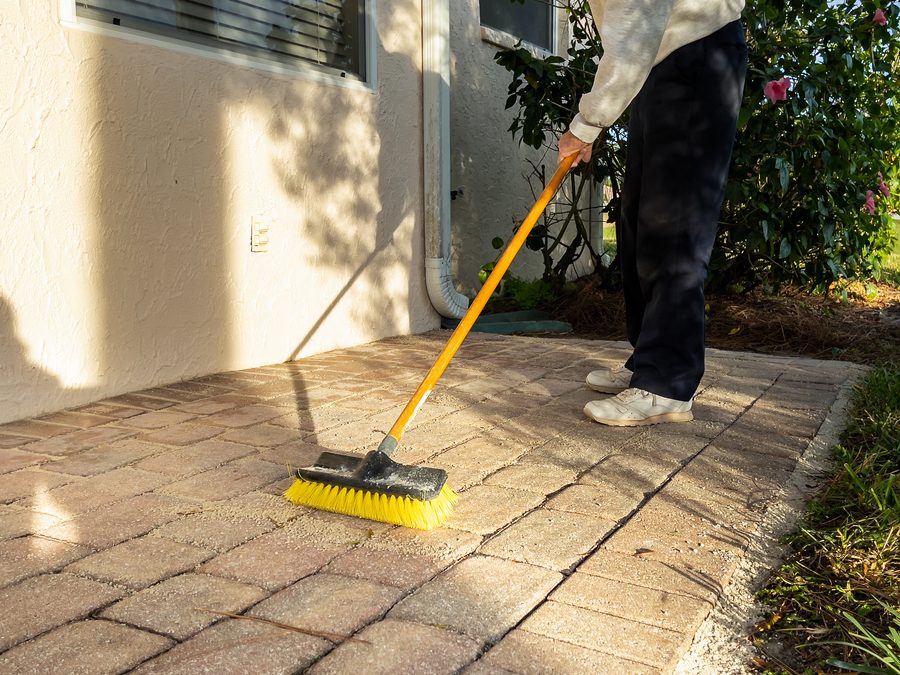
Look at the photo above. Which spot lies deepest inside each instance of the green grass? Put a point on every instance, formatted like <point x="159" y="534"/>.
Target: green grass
<point x="892" y="263"/>
<point x="609" y="239"/>
<point x="835" y="598"/>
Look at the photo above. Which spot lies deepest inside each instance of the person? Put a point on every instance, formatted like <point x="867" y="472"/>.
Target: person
<point x="680" y="65"/>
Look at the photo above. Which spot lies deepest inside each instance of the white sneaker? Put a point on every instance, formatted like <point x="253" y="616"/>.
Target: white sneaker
<point x="609" y="380"/>
<point x="636" y="407"/>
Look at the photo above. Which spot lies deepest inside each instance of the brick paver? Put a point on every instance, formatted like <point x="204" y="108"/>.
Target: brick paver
<point x="400" y="647"/>
<point x="34" y="429"/>
<point x="29" y="483"/>
<point x="573" y="536"/>
<point x="10" y="440"/>
<point x="158" y="419"/>
<point x="186" y="433"/>
<point x="130" y="527"/>
<point x="665" y="609"/>
<point x="85" y="647"/>
<point x="239" y="646"/>
<point x="632" y="640"/>
<point x="29" y="556"/>
<point x="649" y="571"/>
<point x="107" y="527"/>
<point x="487" y="508"/>
<point x="17" y="522"/>
<point x="47" y="601"/>
<point x="138" y="563"/>
<point x="90" y="493"/>
<point x="82" y="439"/>
<point x="12" y="459"/>
<point x="183" y="605"/>
<point x="195" y="458"/>
<point x="386" y="567"/>
<point x="531" y="654"/>
<point x="603" y="498"/>
<point x="261" y="435"/>
<point x="481" y="597"/>
<point x="226" y="481"/>
<point x="217" y="534"/>
<point x="531" y="472"/>
<point x="106" y="457"/>
<point x="272" y="561"/>
<point x="330" y="603"/>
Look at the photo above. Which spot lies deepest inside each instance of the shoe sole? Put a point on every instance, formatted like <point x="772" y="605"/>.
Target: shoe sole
<point x="609" y="389"/>
<point x="685" y="416"/>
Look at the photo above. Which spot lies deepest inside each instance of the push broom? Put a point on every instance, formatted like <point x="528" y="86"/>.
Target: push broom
<point x="376" y="487"/>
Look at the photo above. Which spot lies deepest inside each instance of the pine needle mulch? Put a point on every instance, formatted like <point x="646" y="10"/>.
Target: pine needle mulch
<point x="864" y="327"/>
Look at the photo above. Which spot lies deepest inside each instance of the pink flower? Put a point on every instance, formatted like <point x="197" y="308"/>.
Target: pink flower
<point x="882" y="186"/>
<point x="776" y="90"/>
<point x="879" y="17"/>
<point x="870" y="202"/>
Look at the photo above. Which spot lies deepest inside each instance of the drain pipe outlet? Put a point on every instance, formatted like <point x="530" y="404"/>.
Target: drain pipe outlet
<point x="436" y="131"/>
<point x="446" y="299"/>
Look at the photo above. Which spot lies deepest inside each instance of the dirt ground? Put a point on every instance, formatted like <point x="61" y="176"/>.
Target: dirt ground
<point x="864" y="329"/>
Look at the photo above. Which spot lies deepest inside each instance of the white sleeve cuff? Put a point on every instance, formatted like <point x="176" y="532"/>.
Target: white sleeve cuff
<point x="584" y="131"/>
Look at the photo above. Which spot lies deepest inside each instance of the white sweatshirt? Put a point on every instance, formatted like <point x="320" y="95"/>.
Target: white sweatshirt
<point x="636" y="35"/>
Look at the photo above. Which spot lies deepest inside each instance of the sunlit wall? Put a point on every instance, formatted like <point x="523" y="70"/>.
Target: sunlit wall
<point x="132" y="174"/>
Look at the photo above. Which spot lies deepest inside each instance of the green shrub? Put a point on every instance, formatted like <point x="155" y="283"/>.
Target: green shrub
<point x="795" y="205"/>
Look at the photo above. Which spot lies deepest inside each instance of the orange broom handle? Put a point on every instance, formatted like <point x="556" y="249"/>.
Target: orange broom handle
<point x="465" y="325"/>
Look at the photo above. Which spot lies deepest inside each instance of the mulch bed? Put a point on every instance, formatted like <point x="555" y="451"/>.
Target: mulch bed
<point x="860" y="329"/>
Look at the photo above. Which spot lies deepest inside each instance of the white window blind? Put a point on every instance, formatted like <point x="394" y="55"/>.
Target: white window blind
<point x="328" y="33"/>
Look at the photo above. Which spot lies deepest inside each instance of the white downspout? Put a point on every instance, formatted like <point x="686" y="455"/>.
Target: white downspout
<point x="436" y="128"/>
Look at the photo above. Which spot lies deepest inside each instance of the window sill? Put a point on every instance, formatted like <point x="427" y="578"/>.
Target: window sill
<point x="505" y="40"/>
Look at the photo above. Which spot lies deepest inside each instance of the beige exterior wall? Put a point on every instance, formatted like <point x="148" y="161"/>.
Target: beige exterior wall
<point x="130" y="177"/>
<point x="487" y="162"/>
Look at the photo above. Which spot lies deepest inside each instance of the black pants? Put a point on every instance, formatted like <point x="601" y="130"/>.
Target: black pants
<point x="679" y="149"/>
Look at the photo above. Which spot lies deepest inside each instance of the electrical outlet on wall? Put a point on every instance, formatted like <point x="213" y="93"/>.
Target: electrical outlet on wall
<point x="259" y="235"/>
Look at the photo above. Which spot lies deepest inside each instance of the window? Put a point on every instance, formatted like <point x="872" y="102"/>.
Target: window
<point x="328" y="34"/>
<point x="531" y="21"/>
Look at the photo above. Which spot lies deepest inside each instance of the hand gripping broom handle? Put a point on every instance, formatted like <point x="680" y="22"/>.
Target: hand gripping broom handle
<point x="392" y="440"/>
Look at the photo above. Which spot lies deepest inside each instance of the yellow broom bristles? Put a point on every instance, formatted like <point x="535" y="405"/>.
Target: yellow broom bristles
<point x="421" y="515"/>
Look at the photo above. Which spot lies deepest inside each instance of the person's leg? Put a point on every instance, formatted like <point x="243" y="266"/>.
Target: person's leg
<point x="687" y="113"/>
<point x="613" y="381"/>
<point x="626" y="229"/>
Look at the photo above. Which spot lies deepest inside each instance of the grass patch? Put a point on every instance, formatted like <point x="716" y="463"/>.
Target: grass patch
<point x="892" y="263"/>
<point x="836" y="597"/>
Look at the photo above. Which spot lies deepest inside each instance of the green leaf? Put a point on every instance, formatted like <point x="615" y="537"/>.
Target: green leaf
<point x="785" y="249"/>
<point x="856" y="667"/>
<point x="497" y="243"/>
<point x="783" y="173"/>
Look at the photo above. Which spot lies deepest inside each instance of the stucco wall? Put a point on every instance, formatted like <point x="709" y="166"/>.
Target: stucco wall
<point x="487" y="162"/>
<point x="131" y="174"/>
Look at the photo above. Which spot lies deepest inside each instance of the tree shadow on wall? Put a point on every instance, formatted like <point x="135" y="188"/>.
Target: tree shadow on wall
<point x="349" y="162"/>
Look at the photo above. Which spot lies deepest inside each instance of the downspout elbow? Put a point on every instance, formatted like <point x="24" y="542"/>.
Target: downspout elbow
<point x="444" y="297"/>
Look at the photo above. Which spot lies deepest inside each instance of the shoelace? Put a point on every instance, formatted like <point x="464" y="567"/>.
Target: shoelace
<point x="630" y="395"/>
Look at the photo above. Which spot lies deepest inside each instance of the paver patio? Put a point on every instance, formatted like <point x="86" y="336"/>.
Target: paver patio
<point x="147" y="531"/>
